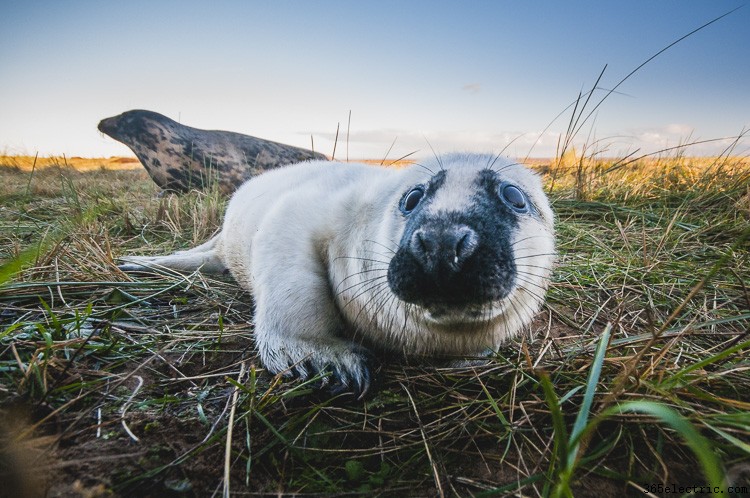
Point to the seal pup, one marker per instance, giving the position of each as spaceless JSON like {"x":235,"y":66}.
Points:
{"x":181,"y":158}
{"x":450,"y":257}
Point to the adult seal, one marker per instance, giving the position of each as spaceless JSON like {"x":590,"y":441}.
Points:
{"x":181,"y":158}
{"x":446,"y":258}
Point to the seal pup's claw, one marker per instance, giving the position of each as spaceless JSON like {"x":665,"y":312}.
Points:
{"x":356,"y":384}
{"x":355,"y":381}
{"x":351,"y":375}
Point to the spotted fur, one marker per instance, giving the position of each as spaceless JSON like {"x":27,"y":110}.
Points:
{"x":181,"y":158}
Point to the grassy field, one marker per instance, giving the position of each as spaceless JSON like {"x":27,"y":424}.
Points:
{"x":634,"y":377}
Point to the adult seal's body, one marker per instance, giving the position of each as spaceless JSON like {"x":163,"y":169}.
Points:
{"x":181,"y":158}
{"x":446,"y":258}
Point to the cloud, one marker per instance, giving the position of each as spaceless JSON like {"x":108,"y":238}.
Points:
{"x":683,"y":130}
{"x":374,"y":144}
{"x":393,"y":143}
{"x":672,"y":138}
{"x":654,"y":138}
{"x":472,"y":88}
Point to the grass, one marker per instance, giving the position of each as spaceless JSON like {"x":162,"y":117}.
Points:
{"x":634,"y":376}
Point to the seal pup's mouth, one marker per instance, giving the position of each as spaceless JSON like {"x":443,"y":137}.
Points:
{"x":467,"y":316}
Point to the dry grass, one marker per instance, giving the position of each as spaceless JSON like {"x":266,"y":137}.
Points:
{"x":125,"y":386}
{"x":29,"y":163}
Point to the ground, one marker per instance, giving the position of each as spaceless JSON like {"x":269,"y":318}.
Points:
{"x":132,"y":385}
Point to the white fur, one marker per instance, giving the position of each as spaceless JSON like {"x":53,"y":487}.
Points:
{"x":312,"y":243}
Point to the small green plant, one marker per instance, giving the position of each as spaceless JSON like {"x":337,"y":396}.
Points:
{"x":567,"y":447}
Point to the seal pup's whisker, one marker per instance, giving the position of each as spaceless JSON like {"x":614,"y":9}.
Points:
{"x":392,"y":250}
{"x":425,"y":168}
{"x":531,"y":274}
{"x":359,"y":258}
{"x":544,"y":255}
{"x":375,"y":253}
{"x":382,"y":299}
{"x":527,"y":290}
{"x":543,"y":236}
{"x":502,"y":167}
{"x":358,"y":284}
{"x":364,"y":315}
{"x":538,"y":267}
{"x":434,"y":155}
{"x":365,"y":271}
{"x":367,"y":286}
{"x":380,"y":295}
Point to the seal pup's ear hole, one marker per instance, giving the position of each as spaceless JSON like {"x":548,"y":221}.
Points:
{"x":514,"y":198}
{"x":410,"y":201}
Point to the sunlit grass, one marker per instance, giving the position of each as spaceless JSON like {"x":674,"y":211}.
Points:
{"x":29,"y":163}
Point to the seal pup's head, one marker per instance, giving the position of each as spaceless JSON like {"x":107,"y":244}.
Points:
{"x":475,"y":251}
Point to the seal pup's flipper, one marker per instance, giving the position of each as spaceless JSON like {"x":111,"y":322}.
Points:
{"x":206,"y":258}
{"x":299,"y":328}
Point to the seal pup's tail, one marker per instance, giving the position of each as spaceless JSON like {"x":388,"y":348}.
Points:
{"x":206,"y":258}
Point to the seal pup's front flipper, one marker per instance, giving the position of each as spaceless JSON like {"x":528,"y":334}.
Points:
{"x":298,"y":326}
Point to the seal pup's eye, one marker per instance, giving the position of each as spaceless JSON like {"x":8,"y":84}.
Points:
{"x":411,"y":200}
{"x":514,"y":198}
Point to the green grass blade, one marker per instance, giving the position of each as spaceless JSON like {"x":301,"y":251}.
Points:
{"x":700,"y":446}
{"x":731,"y":439}
{"x":10,"y":268}
{"x":509,"y":488}
{"x":588,"y":396}
{"x":557,"y":472}
{"x":675,"y":379}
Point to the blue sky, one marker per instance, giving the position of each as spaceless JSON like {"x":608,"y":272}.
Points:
{"x":457,"y":75}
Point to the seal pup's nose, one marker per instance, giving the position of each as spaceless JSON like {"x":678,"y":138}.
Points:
{"x":443,"y":248}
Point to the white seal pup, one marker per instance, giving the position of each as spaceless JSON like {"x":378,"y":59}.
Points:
{"x":451,"y":257}
{"x":180,"y":158}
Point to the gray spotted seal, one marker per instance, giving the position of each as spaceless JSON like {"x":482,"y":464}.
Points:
{"x":181,"y":158}
{"x":450,"y":257}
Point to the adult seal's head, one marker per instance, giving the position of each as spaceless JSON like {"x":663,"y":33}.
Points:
{"x":181,"y":158}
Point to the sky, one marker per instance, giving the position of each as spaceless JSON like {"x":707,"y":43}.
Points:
{"x":415,"y":76}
